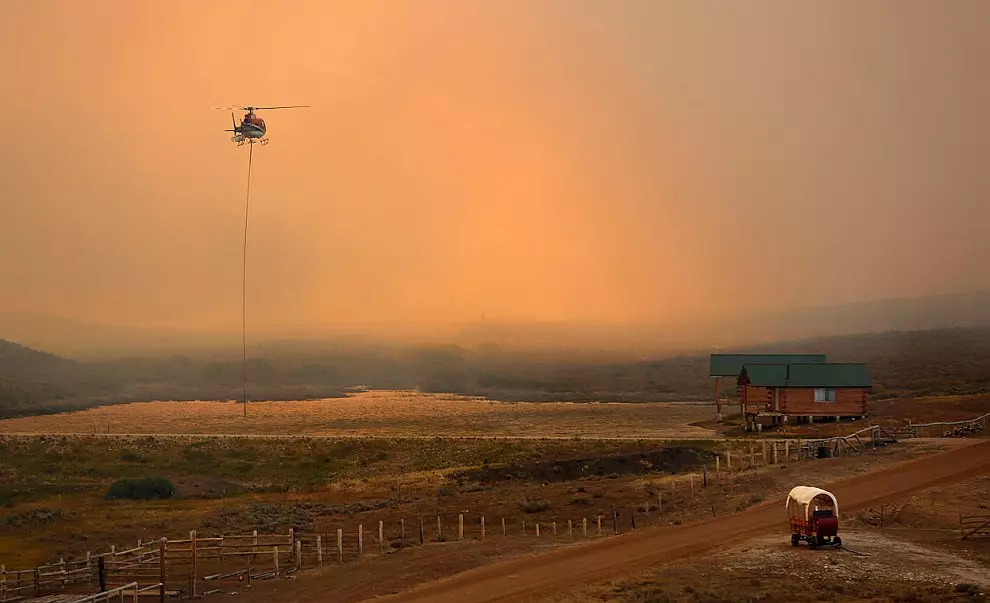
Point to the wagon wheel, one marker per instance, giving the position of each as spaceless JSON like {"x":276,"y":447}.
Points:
{"x":795,"y":539}
{"x":813,"y":542}
{"x":836,"y":541}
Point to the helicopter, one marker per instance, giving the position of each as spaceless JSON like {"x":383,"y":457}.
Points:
{"x":252,"y":128}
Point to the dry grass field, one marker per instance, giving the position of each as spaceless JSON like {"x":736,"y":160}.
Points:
{"x":382,"y":414}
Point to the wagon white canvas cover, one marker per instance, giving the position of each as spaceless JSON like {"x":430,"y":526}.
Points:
{"x":803,"y":500}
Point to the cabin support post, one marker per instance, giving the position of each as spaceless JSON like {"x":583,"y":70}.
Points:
{"x":718,"y":399}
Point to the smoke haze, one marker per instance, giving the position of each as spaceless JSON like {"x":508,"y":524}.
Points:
{"x":627,"y":162}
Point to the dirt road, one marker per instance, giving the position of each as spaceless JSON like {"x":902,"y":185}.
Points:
{"x":528,"y":579}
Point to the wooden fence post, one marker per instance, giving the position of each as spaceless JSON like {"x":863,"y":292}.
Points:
{"x":523,"y":527}
{"x":554,"y":527}
{"x":460,"y":526}
{"x":537,"y":529}
{"x":381,"y":537}
{"x":402,"y":531}
{"x":162,"y":553}
{"x":340,"y":545}
{"x":298,"y":555}
{"x":360,"y":540}
{"x":718,"y":468}
{"x":728,"y":460}
{"x":787,"y":450}
{"x":439,"y":528}
{"x":3,"y":582}
{"x":660,"y":504}
{"x":704,"y":469}
{"x":193,"y":570}
{"x":319,"y":550}
{"x":275,"y":559}
{"x":503,"y":526}
{"x":691,"y":478}
{"x":615,"y":521}
{"x":422,"y":531}
{"x":599,"y":517}
{"x":584,"y":526}
{"x":570,"y":529}
{"x":482,"y":527}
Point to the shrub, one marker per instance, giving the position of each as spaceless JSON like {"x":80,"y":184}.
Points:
{"x":535,"y":506}
{"x":145,"y":488}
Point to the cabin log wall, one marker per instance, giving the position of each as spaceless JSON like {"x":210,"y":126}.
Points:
{"x":849,"y":402}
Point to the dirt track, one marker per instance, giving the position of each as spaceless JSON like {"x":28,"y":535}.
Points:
{"x":527,"y":579}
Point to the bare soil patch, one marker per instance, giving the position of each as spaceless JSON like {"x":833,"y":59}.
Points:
{"x":769,"y":569}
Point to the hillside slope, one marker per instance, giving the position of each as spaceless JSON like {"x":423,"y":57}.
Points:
{"x":934,"y":362}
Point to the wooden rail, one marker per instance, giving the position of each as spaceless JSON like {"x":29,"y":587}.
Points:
{"x":946,"y":428}
{"x":131,"y":591}
{"x":974,"y":526}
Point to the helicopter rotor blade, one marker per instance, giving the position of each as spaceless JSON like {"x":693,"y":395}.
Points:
{"x":281,"y":107}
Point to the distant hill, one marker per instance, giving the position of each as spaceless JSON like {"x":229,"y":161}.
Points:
{"x":30,"y":379}
{"x":902,"y":363}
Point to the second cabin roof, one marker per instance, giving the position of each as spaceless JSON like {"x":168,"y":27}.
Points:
{"x":819,"y":374}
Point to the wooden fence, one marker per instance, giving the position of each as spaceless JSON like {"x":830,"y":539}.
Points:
{"x":945,"y":429}
{"x":736,"y":456}
{"x":197,"y":566}
{"x":974,"y":526}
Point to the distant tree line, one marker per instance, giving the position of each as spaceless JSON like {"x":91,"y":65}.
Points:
{"x":953,"y":361}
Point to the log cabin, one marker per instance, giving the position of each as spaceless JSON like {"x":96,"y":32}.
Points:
{"x":729,"y":366}
{"x":802,"y":391}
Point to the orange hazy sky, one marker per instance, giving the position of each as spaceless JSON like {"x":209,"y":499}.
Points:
{"x":552,"y":159}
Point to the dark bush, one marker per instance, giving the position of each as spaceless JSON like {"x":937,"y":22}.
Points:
{"x":144,"y":488}
{"x":535,"y":506}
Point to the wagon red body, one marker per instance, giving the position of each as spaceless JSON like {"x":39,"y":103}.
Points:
{"x":814,"y":515}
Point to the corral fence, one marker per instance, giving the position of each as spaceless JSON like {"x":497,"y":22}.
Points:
{"x":869,"y":437}
{"x":197,"y":566}
{"x":974,"y":526}
{"x":774,"y":451}
{"x":945,"y":429}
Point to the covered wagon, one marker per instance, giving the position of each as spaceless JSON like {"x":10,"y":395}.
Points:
{"x":814,"y":515}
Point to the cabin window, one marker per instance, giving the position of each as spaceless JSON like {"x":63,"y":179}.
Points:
{"x":824,"y":394}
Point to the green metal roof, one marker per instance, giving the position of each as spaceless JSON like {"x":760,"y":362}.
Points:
{"x":831,"y":374}
{"x":730,"y":365}
{"x":828,"y":375}
{"x":766,"y":375}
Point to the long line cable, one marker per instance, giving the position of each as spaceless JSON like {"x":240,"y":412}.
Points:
{"x":247,"y":210}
